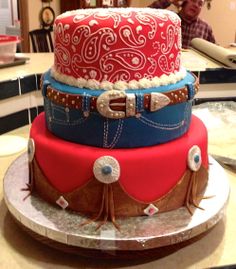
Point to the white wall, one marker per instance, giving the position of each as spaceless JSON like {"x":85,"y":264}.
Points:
{"x":221,"y":16}
{"x":34,"y":10}
{"x":5,"y":15}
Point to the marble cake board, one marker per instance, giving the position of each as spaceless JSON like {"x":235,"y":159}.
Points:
{"x":138,"y":236}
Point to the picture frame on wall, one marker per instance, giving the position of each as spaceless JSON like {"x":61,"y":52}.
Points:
{"x":47,"y":17}
{"x":122,"y":3}
{"x":90,"y":3}
{"x":108,"y":3}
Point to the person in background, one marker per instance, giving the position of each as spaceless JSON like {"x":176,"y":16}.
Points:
{"x":192,"y":26}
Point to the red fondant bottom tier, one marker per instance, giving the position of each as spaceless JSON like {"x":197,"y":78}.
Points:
{"x":143,"y":180}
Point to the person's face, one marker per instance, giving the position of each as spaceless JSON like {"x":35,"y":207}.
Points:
{"x":192,"y":8}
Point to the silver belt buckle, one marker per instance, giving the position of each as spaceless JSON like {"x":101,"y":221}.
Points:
{"x":104,"y":107}
{"x":104,"y":104}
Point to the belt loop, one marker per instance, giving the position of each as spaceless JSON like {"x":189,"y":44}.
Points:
{"x":86,"y":104}
{"x":45,"y":85}
{"x":139,"y":102}
{"x":191,"y":90}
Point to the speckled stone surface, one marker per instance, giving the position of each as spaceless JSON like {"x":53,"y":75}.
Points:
{"x":135,"y":233}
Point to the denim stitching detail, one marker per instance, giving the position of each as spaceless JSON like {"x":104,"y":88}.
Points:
{"x":139,"y":103}
{"x":159,"y":125}
{"x":116,"y":136}
{"x":48,"y":110}
{"x":66,"y":114}
{"x":61,"y":122}
{"x":105,"y":133}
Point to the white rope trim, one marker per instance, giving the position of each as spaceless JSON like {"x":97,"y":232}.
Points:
{"x":143,"y":83}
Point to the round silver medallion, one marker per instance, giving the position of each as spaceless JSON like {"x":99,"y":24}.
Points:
{"x":106,"y":169}
{"x":194,"y":158}
{"x":31,"y":149}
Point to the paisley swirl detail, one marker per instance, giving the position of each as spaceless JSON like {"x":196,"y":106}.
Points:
{"x":79,"y":34}
{"x":170,"y":40}
{"x":127,"y":36}
{"x":153,"y":67}
{"x":107,"y":15}
{"x":120,"y":75}
{"x":60,"y":33}
{"x":147,"y":19}
{"x":139,"y":43}
{"x":129,"y":58}
{"x":88,"y":72}
{"x":178,"y":61}
{"x":166,"y":66}
{"x":62,"y":55}
{"x":80,"y":17}
{"x":98,"y":41}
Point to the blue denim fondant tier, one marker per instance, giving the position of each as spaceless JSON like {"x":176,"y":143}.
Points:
{"x":144,"y":129}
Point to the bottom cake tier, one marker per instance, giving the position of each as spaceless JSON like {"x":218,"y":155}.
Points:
{"x":110,"y":183}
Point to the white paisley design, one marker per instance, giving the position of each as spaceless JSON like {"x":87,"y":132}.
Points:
{"x":92,"y":47}
{"x":107,"y":15}
{"x":166,"y":66}
{"x":129,"y":39}
{"x":60,"y":33}
{"x":131,"y":59}
{"x":78,"y":18}
{"x":117,"y":46}
{"x":170,"y":40}
{"x":147,"y":19}
{"x":80,"y":32}
{"x":62,"y":54}
{"x":88,"y":72}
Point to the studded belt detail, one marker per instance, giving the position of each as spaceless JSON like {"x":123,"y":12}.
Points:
{"x":119,"y":104}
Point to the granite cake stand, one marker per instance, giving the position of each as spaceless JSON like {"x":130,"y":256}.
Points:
{"x":138,"y":236}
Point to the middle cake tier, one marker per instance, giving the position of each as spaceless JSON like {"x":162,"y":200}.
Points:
{"x":119,"y":119}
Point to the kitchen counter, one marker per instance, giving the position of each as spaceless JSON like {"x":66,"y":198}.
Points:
{"x":36,"y":63}
{"x":20,"y":96}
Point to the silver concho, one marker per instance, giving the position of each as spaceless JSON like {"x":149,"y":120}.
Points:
{"x":31,"y":149}
{"x":106,"y":169}
{"x":158,"y":100}
{"x":194,"y":158}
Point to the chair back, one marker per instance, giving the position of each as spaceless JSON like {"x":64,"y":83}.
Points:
{"x":41,"y":40}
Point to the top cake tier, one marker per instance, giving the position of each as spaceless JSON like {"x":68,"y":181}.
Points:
{"x":117,"y":48}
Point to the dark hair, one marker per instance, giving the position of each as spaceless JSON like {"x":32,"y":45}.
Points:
{"x":184,"y":3}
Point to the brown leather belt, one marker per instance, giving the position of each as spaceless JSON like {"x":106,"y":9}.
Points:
{"x":119,"y":104}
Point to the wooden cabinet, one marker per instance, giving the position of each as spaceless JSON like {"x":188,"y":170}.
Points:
{"x":69,"y":5}
{"x":76,"y":4}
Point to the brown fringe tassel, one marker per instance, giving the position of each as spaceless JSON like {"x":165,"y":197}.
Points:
{"x":191,"y":196}
{"x":30,"y":185}
{"x":107,"y":209}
